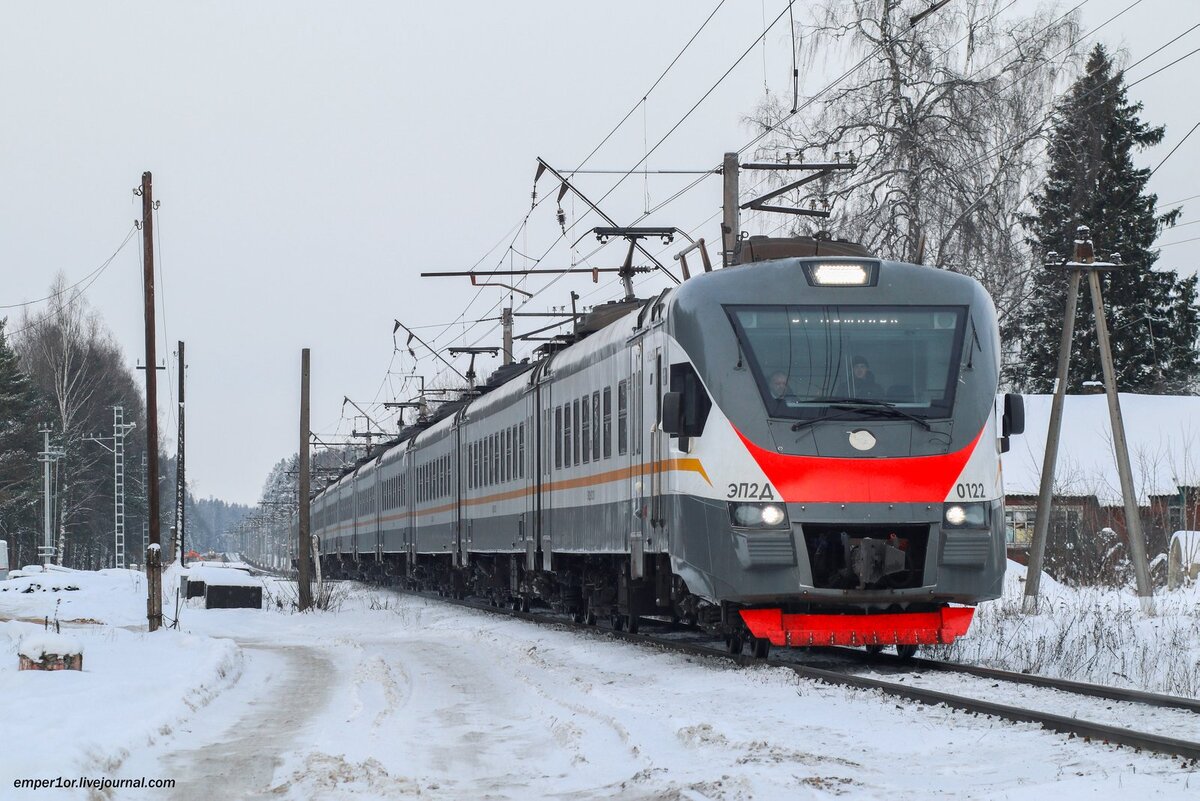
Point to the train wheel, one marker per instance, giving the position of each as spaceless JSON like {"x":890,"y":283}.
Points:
{"x":906,"y":651}
{"x":577,"y":617}
{"x":874,"y":649}
{"x":761,"y":647}
{"x":735,"y":643}
{"x":631,"y":623}
{"x":617,"y":622}
{"x":525,"y":605}
{"x":589,"y":617}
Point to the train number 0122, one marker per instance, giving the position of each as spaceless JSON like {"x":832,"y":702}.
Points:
{"x":970,"y":491}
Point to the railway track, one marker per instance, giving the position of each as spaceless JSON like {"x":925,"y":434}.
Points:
{"x":843,"y":667}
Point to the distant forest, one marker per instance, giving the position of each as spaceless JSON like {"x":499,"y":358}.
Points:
{"x":61,"y":368}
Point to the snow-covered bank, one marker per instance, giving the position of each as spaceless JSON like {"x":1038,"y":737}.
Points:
{"x":1091,"y":634}
{"x":116,"y":597}
{"x":134,"y":690}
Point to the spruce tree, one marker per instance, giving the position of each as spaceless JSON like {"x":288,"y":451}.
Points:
{"x":1152,"y":315}
{"x":19,"y":474}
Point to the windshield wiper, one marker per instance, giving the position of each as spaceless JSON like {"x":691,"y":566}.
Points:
{"x":865,"y":405}
{"x":806,"y":423}
{"x":882,"y":408}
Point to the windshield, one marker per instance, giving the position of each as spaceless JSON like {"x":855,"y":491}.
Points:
{"x":806,"y":358}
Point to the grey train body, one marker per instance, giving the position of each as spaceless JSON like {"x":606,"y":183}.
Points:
{"x":607,"y":478}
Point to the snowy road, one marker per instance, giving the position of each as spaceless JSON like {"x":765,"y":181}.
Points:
{"x":279,"y":692}
{"x":432,"y":701}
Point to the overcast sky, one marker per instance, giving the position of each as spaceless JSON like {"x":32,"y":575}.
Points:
{"x":312,"y":159}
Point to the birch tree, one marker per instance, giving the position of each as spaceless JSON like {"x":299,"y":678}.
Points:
{"x":945,"y":120}
{"x":74,"y":363}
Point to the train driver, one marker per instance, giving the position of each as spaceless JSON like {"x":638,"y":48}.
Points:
{"x":865,"y":385}
{"x":779,"y":386}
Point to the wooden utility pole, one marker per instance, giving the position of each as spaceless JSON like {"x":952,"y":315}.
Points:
{"x":305,"y":544}
{"x":180,"y":475}
{"x":154,"y":550}
{"x":1085,"y":261}
{"x":1041,"y":526}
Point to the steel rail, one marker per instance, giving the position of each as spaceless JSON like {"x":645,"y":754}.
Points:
{"x":1068,"y":685}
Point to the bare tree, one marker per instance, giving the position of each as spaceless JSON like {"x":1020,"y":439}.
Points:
{"x":944,"y":119}
{"x":80,"y":371}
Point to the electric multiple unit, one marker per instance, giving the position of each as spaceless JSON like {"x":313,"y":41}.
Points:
{"x":802,"y":451}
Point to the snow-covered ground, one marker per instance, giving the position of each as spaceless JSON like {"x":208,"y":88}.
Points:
{"x":395,"y":697}
{"x":1090,"y":634}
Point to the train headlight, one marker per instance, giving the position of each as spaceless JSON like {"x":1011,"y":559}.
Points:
{"x":965,"y":515}
{"x":841,"y":273}
{"x":758,"y":515}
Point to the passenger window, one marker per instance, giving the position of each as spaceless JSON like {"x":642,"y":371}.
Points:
{"x":595,"y":425}
{"x":607,"y":434}
{"x":623,"y":417}
{"x":575,"y":442}
{"x":558,"y":432}
{"x":585,"y":432}
{"x":566,"y":435}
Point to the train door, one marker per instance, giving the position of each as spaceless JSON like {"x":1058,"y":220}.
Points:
{"x":409,"y":501}
{"x":528,"y":529}
{"x":376,"y":514}
{"x":379,"y":499}
{"x":354,"y":490}
{"x":657,"y":460}
{"x":637,"y":459}
{"x":551,"y":438}
{"x":462,"y":527}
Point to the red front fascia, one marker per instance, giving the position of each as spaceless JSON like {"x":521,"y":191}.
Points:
{"x":888,"y":628}
{"x":820,"y":479}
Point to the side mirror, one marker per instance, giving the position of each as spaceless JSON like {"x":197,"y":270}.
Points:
{"x":1013,"y":422}
{"x":672,"y":412}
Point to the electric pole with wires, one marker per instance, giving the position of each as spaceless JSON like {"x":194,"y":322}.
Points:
{"x":180,"y":475}
{"x":1085,"y":262}
{"x":154,"y":549}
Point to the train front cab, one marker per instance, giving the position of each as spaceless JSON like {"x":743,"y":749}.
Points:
{"x":837,"y":510}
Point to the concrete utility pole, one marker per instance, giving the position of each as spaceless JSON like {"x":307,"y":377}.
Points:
{"x":304,"y":545}
{"x":729,"y":222}
{"x":506,"y":322}
{"x":1085,"y":261}
{"x":154,"y":549}
{"x":47,"y":457}
{"x":180,"y":475}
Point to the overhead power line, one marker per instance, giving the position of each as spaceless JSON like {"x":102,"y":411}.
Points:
{"x":653,"y":86}
{"x":1181,"y":141}
{"x":94,"y":273}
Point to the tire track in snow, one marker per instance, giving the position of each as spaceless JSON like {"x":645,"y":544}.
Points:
{"x":285,"y":686}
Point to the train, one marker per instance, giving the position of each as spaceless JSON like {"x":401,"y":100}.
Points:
{"x":797,"y":450}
